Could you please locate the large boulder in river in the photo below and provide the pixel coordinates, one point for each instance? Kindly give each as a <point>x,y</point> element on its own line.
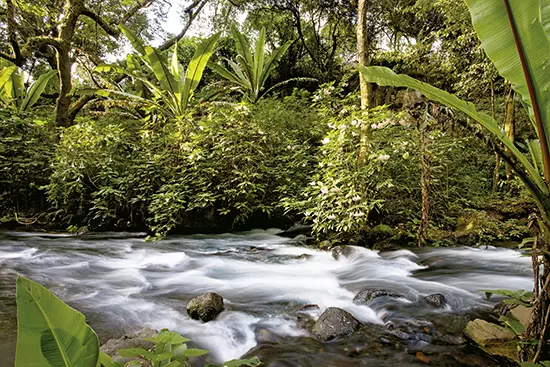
<point>112,346</point>
<point>205,307</point>
<point>365,296</point>
<point>335,323</point>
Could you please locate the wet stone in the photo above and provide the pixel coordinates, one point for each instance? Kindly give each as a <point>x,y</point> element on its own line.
<point>335,323</point>
<point>368,295</point>
<point>436,300</point>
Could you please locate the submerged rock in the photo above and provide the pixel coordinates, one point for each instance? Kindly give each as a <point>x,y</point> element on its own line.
<point>335,323</point>
<point>492,338</point>
<point>205,307</point>
<point>368,295</point>
<point>112,346</point>
<point>344,251</point>
<point>307,308</point>
<point>436,300</point>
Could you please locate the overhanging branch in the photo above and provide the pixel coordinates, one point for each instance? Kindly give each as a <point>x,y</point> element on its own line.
<point>111,31</point>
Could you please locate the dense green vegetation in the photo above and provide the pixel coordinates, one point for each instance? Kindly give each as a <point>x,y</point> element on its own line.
<point>265,121</point>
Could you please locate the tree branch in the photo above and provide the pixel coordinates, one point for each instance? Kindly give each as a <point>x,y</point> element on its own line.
<point>111,31</point>
<point>17,58</point>
<point>192,14</point>
<point>39,41</point>
<point>130,13</point>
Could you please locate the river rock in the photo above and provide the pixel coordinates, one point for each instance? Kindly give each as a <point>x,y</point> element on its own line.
<point>436,300</point>
<point>335,323</point>
<point>364,297</point>
<point>205,307</point>
<point>112,346</point>
<point>522,314</point>
<point>492,338</point>
<point>344,251</point>
<point>308,308</point>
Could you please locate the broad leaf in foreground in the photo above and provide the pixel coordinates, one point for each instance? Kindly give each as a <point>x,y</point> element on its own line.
<point>50,333</point>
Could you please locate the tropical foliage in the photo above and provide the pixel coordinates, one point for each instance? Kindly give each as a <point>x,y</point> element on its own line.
<point>514,36</point>
<point>12,89</point>
<point>174,87</point>
<point>252,69</point>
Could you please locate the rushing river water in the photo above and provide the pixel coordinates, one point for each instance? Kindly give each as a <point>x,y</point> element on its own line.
<point>122,283</point>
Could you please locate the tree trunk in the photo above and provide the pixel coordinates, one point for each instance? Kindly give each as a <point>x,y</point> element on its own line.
<point>424,184</point>
<point>363,45</point>
<point>64,66</point>
<point>509,127</point>
<point>363,50</point>
<point>496,172</point>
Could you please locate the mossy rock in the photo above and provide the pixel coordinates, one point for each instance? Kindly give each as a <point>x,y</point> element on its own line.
<point>205,307</point>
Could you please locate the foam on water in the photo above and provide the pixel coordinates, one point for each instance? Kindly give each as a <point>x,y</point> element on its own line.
<point>263,278</point>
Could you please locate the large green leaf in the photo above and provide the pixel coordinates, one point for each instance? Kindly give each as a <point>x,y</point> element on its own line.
<point>175,65</point>
<point>498,29</point>
<point>545,16</point>
<point>386,77</point>
<point>223,72</point>
<point>136,42</point>
<point>243,49</point>
<point>159,65</point>
<point>158,92</point>
<point>50,333</point>
<point>36,90</point>
<point>14,86</point>
<point>196,68</point>
<point>259,61</point>
<point>5,76</point>
<point>273,60</point>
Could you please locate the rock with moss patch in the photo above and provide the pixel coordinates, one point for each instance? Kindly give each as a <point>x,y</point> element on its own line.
<point>492,338</point>
<point>205,307</point>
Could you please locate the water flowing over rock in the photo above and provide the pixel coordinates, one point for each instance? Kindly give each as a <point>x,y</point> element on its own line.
<point>335,323</point>
<point>364,297</point>
<point>436,300</point>
<point>205,307</point>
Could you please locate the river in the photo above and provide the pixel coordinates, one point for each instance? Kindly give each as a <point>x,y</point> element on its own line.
<point>122,283</point>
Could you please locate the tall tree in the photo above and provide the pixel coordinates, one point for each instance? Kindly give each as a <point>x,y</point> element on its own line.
<point>363,49</point>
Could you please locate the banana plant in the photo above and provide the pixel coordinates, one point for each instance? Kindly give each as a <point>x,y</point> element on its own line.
<point>173,88</point>
<point>12,88</point>
<point>515,36</point>
<point>252,69</point>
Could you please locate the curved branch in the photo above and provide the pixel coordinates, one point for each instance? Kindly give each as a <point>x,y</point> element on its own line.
<point>130,13</point>
<point>192,14</point>
<point>111,31</point>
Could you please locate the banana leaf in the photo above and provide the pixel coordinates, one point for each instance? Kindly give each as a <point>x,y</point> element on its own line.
<point>50,333</point>
<point>36,90</point>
